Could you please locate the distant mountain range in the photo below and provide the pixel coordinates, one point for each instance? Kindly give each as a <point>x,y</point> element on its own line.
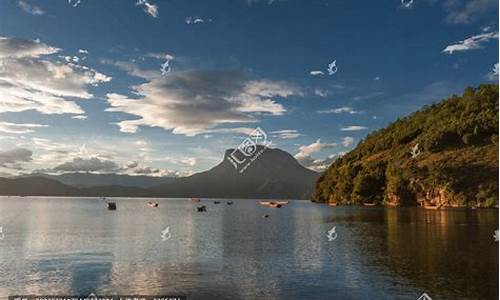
<point>275,174</point>
<point>84,180</point>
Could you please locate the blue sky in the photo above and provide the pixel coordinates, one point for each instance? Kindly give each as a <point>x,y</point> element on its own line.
<point>82,89</point>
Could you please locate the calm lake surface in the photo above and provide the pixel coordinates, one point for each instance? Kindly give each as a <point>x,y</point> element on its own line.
<point>75,246</point>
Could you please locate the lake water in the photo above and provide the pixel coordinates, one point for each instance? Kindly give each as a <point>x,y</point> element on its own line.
<point>75,246</point>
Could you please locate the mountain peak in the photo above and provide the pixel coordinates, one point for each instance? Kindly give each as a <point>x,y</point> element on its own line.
<point>265,173</point>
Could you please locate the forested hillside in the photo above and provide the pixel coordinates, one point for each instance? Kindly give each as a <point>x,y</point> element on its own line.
<point>445,154</point>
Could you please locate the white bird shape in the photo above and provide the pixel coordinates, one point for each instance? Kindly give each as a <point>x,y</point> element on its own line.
<point>332,235</point>
<point>415,151</point>
<point>332,68</point>
<point>165,234</point>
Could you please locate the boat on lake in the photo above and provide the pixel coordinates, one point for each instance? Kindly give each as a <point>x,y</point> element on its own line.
<point>153,204</point>
<point>273,204</point>
<point>430,206</point>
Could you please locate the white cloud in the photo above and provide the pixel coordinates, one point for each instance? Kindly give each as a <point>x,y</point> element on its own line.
<point>286,134</point>
<point>150,9</point>
<point>31,9</point>
<point>468,11</point>
<point>19,128</point>
<point>30,82</point>
<point>80,117</point>
<point>12,159</point>
<point>241,130</point>
<point>321,93</point>
<point>139,169</point>
<point>196,20</point>
<point>105,154</point>
<point>93,164</point>
<point>320,165</point>
<point>70,59</point>
<point>266,88</point>
<point>347,141</point>
<point>304,156</point>
<point>353,128</point>
<point>472,43</point>
<point>131,68</point>
<point>344,109</point>
<point>317,73</point>
<point>368,96</point>
<point>20,48</point>
<point>189,161</point>
<point>195,102</point>
<point>307,150</point>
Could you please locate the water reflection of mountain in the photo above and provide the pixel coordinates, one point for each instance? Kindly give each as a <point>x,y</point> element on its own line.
<point>446,252</point>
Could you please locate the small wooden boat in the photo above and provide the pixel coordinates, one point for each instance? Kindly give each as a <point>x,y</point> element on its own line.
<point>153,204</point>
<point>369,204</point>
<point>282,202</point>
<point>332,204</point>
<point>111,206</point>
<point>202,208</point>
<point>431,207</point>
<point>229,202</point>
